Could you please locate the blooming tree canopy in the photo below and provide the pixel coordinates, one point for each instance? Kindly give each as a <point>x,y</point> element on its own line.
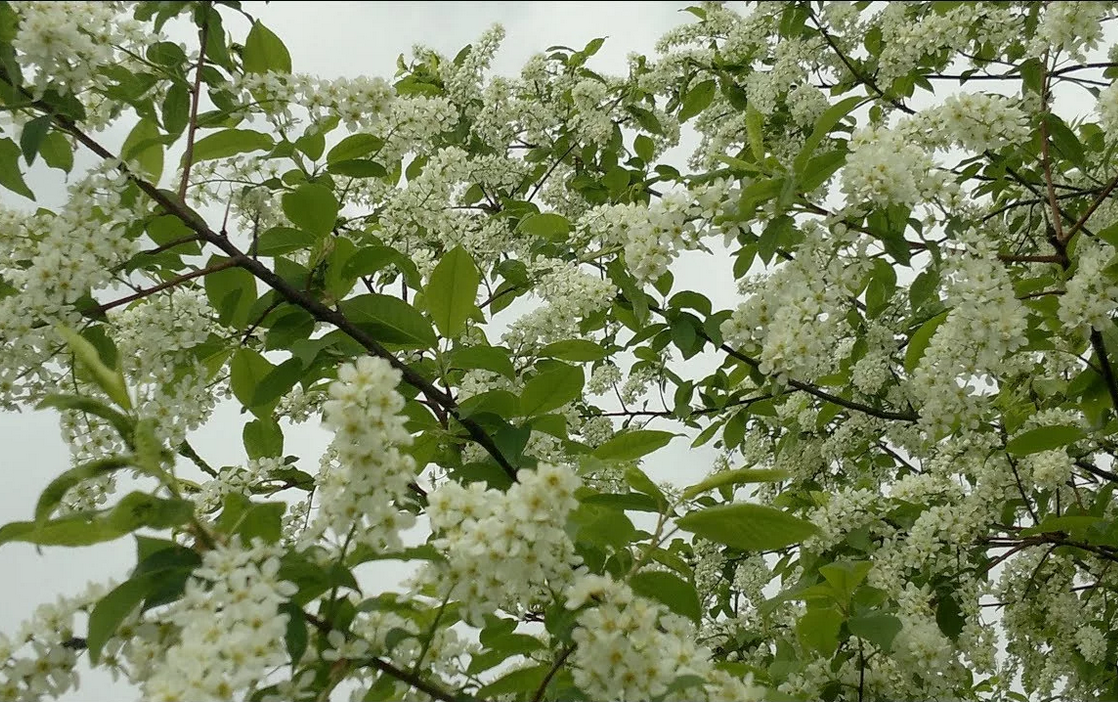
<point>468,279</point>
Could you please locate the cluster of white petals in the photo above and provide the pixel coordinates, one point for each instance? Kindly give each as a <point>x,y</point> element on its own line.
<point>360,492</point>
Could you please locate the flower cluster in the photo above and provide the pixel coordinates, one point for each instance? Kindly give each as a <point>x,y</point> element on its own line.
<point>64,45</point>
<point>886,168</point>
<point>628,648</point>
<point>231,633</point>
<point>504,549</point>
<point>985,325</point>
<point>360,493</point>
<point>1091,296</point>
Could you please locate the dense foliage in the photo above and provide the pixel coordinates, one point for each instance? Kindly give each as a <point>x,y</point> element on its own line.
<point>469,280</point>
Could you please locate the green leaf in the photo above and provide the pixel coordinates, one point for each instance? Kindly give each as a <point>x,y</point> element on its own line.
<point>523,680</point>
<point>144,147</point>
<point>671,590</point>
<point>10,175</point>
<point>491,358</point>
<point>390,320</point>
<point>112,609</point>
<point>312,208</point>
<point>263,438</point>
<point>734,477</point>
<point>845,576</point>
<point>109,380</point>
<point>576,350</point>
<point>645,148</point>
<point>278,381</point>
<point>176,108</point>
<point>818,630</point>
<point>32,136</point>
<point>747,526</point>
<point>122,423</point>
<point>295,638</point>
<point>354,146</point>
<point>633,444</point>
<point>546,225</point>
<point>134,511</point>
<point>57,151</point>
<point>823,127</point>
<point>278,241</point>
<point>1044,439</point>
<point>240,515</point>
<point>754,124</point>
<point>264,52</point>
<point>602,526</point>
<point>358,168</point>
<point>452,290</point>
<point>52,495</point>
<point>230,142</point>
<point>639,481</point>
<point>232,292</point>
<point>246,370</point>
<point>878,629</point>
<point>918,342</point>
<point>551,389</point>
<point>697,99</point>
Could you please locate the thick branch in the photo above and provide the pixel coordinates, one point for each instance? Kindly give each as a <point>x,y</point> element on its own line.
<point>295,296</point>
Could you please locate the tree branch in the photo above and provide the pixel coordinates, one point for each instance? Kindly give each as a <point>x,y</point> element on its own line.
<point>293,294</point>
<point>144,292</point>
<point>192,125</point>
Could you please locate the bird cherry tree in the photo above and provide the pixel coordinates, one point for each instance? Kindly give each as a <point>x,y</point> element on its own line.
<point>468,279</point>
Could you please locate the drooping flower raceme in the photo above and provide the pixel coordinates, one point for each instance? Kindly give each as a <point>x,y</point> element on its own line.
<point>504,549</point>
<point>359,495</point>
<point>231,633</point>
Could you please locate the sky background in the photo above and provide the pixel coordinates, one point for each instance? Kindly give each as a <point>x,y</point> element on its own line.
<point>328,39</point>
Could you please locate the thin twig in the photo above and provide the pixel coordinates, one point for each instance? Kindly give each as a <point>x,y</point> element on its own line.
<point>192,125</point>
<point>144,292</point>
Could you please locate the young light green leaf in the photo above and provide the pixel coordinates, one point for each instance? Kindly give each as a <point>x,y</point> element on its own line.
<point>747,526</point>
<point>264,52</point>
<point>918,342</point>
<point>631,445</point>
<point>11,177</point>
<point>109,380</point>
<point>575,350</point>
<point>734,477</point>
<point>246,371</point>
<point>491,358</point>
<point>546,225</point>
<point>451,292</point>
<point>52,495</point>
<point>818,630</point>
<point>57,151</point>
<point>312,208</point>
<point>754,125</point>
<point>823,127</point>
<point>354,146</point>
<point>878,629</point>
<point>230,142</point>
<point>144,147</point>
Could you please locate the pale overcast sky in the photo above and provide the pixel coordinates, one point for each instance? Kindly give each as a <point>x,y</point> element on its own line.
<point>329,39</point>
